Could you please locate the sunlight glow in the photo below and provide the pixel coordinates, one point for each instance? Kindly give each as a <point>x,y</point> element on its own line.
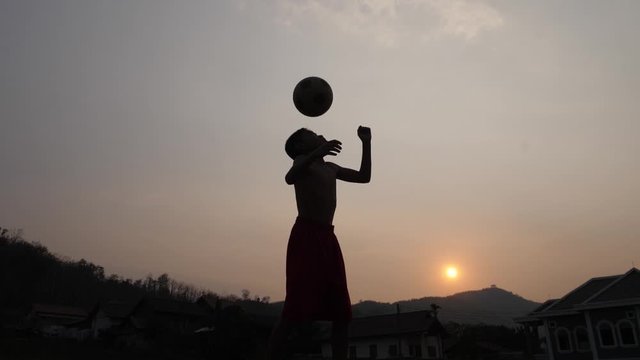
<point>451,272</point>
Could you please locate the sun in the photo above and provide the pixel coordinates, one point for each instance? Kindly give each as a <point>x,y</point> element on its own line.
<point>451,272</point>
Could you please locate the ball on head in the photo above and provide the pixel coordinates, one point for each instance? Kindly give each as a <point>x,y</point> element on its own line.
<point>312,96</point>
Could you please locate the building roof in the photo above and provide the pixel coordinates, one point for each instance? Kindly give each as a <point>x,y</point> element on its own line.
<point>582,293</point>
<point>626,287</point>
<point>55,315</point>
<point>49,310</point>
<point>393,324</point>
<point>616,290</point>
<point>544,305</point>
<point>171,306</point>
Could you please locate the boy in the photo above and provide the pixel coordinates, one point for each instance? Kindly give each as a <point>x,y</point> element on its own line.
<point>316,281</point>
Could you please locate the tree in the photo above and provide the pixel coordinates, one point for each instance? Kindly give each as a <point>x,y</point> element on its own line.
<point>435,308</point>
<point>163,285</point>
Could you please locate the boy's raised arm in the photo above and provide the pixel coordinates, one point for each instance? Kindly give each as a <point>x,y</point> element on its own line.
<point>301,162</point>
<point>364,174</point>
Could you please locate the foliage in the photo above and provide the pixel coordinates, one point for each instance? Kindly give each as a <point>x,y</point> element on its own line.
<point>29,274</point>
<point>484,341</point>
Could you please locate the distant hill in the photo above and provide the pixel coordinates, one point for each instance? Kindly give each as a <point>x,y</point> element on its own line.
<point>29,273</point>
<point>491,306</point>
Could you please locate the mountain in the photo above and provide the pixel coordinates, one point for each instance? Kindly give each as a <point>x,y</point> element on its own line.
<point>491,306</point>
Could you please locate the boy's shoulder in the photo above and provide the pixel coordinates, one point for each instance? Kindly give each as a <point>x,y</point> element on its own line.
<point>324,167</point>
<point>332,166</point>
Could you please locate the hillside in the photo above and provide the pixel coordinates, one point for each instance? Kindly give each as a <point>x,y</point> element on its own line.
<point>30,273</point>
<point>492,306</point>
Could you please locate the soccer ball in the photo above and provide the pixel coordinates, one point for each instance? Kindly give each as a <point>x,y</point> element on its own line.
<point>312,96</point>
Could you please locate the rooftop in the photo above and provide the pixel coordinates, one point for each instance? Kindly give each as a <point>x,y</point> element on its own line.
<point>392,324</point>
<point>606,291</point>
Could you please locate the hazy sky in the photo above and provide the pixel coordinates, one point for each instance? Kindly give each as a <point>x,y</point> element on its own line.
<point>147,136</point>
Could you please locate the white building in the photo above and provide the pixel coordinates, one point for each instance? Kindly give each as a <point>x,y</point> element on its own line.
<point>410,335</point>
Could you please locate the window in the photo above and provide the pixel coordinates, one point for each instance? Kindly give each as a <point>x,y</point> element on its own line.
<point>627,333</point>
<point>393,350</point>
<point>606,335</point>
<point>352,352</point>
<point>373,351</point>
<point>582,339</point>
<point>563,340</point>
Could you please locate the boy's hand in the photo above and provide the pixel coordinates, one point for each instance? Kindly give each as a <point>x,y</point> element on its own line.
<point>364,133</point>
<point>332,147</point>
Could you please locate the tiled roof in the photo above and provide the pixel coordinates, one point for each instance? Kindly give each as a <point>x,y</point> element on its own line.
<point>627,287</point>
<point>544,306</point>
<point>582,293</point>
<point>57,310</point>
<point>410,322</point>
<point>613,290</point>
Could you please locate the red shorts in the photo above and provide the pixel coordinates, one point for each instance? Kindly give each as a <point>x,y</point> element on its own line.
<point>316,280</point>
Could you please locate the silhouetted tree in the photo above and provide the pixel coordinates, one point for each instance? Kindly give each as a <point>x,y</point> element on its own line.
<point>29,273</point>
<point>435,308</point>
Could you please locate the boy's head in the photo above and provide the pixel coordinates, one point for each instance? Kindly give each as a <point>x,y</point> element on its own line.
<point>302,142</point>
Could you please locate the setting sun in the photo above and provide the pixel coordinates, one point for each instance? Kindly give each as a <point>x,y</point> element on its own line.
<point>451,272</point>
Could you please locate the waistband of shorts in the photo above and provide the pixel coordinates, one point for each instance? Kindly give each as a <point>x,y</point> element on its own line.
<point>315,224</point>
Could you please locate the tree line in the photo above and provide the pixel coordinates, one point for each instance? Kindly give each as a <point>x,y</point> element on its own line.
<point>30,273</point>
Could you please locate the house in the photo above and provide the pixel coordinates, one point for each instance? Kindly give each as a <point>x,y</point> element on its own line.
<point>107,315</point>
<point>598,320</point>
<point>155,320</point>
<point>240,327</point>
<point>166,314</point>
<point>416,335</point>
<point>55,320</point>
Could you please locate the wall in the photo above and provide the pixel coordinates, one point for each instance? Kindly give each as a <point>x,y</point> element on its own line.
<point>363,346</point>
<point>570,323</point>
<point>614,316</point>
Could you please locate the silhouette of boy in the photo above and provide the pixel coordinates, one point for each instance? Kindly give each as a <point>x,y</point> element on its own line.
<point>316,280</point>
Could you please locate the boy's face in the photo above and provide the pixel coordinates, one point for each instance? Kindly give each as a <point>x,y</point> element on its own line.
<point>310,141</point>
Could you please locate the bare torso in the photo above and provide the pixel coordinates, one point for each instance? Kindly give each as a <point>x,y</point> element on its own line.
<point>316,192</point>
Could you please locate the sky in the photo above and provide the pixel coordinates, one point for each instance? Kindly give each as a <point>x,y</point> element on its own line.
<point>148,136</point>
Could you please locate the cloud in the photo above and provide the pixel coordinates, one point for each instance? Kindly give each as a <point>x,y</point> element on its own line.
<point>390,22</point>
<point>466,18</point>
